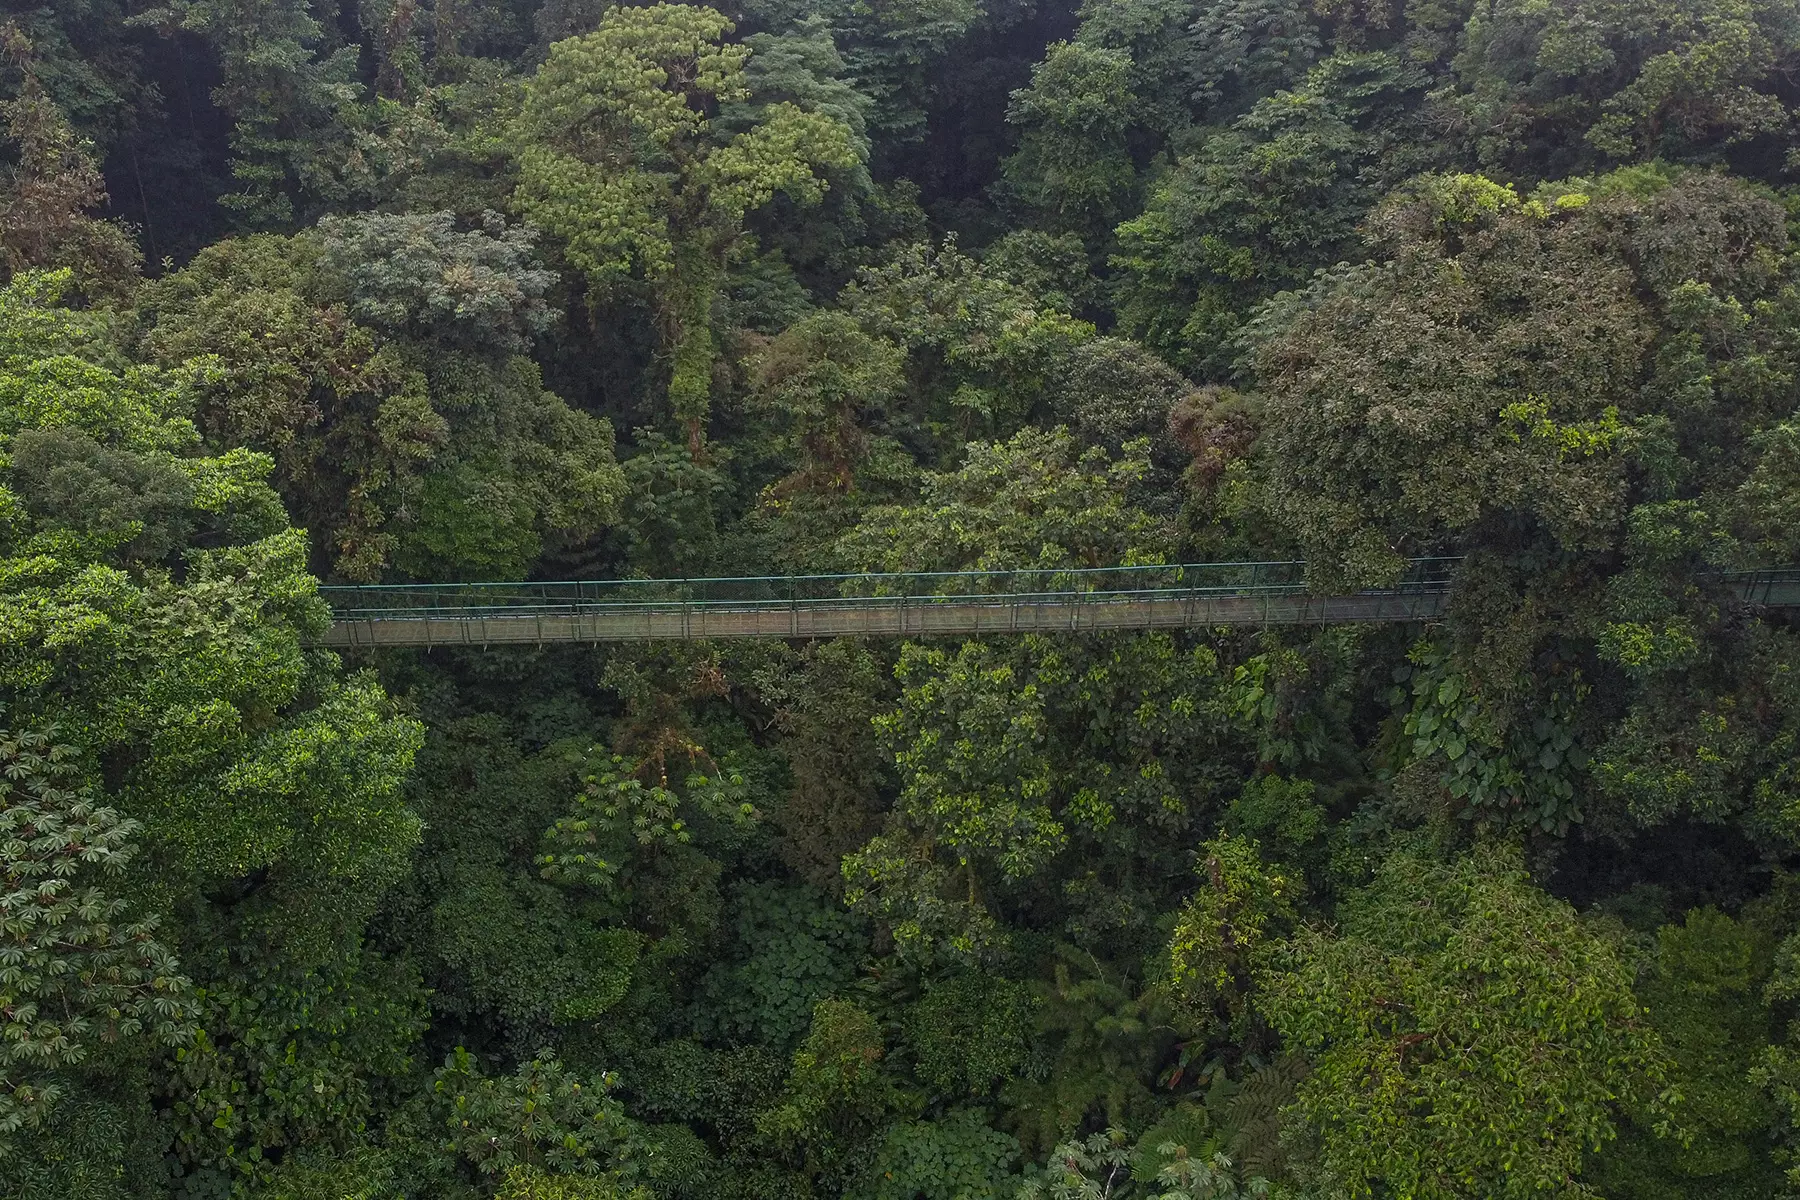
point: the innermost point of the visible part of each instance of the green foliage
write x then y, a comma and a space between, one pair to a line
1053, 267
981, 789
670, 508
1102, 1035
361, 1175
1090, 1169
981, 352
161, 626
1632, 81
53, 380
1503, 769
528, 1183
971, 1032
79, 979
240, 750
627, 849
519, 948
791, 948
543, 1117
1014, 755
821, 377
615, 815
1073, 164
1036, 500
825, 707
1700, 995
396, 451
1115, 392
290, 1061
1473, 1022
94, 1150
1247, 49
1224, 935
958, 1158
1261, 203
47, 194
1486, 431
872, 918
1100, 1167
836, 1097
618, 159
719, 1090
802, 66
292, 96
1687, 748
1281, 812
1777, 1075
110, 500
419, 276
1469, 454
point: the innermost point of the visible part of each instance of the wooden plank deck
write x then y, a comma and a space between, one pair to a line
875, 617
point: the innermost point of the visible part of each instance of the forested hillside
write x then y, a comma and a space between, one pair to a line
1504, 905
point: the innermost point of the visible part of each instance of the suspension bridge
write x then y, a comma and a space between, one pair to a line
919, 604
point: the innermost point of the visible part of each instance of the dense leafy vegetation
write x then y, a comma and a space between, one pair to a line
1506, 904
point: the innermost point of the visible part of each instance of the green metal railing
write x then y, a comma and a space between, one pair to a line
1778, 588
737, 593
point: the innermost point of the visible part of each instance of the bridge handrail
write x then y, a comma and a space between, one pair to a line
1028, 585
1769, 587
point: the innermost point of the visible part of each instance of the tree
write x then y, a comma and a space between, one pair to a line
291, 1063
1493, 423
543, 1118
1225, 933
419, 277
1261, 203
79, 979
963, 286
631, 846
1700, 992
958, 1157
822, 376
1553, 91
620, 160
423, 440
1105, 1165
981, 353
1468, 1035
185, 670
1244, 50
1016, 756
295, 103
836, 1097
824, 704
788, 948
1035, 501
1072, 164
46, 197
161, 625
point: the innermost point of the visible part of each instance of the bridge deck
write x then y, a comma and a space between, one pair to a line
951, 604
876, 617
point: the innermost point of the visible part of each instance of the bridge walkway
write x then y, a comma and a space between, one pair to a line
926, 604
